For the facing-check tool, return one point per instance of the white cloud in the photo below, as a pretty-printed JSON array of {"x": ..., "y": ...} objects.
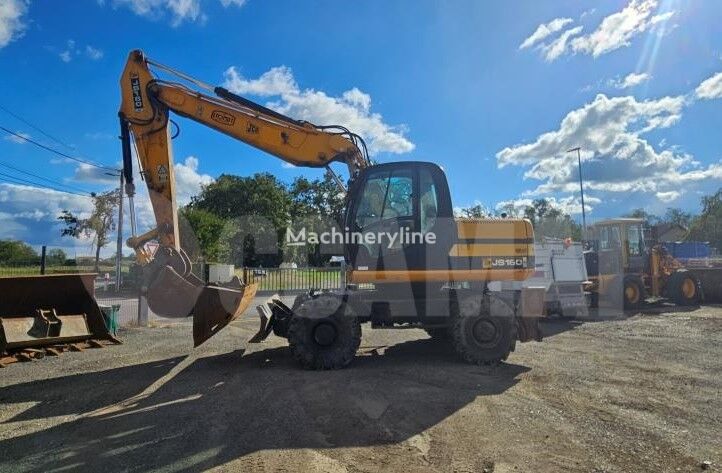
[
  {"x": 614, "y": 31},
  {"x": 93, "y": 174},
  {"x": 30, "y": 213},
  {"x": 557, "y": 47},
  {"x": 668, "y": 196},
  {"x": 12, "y": 26},
  {"x": 615, "y": 157},
  {"x": 570, "y": 205},
  {"x": 180, "y": 11},
  {"x": 188, "y": 180},
  {"x": 544, "y": 30},
  {"x": 351, "y": 109},
  {"x": 18, "y": 139},
  {"x": 710, "y": 88},
  {"x": 93, "y": 53},
  {"x": 631, "y": 80},
  {"x": 617, "y": 30},
  {"x": 65, "y": 56}
]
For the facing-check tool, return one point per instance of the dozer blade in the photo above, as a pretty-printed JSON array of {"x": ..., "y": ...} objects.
[
  {"x": 212, "y": 307},
  {"x": 36, "y": 311}
]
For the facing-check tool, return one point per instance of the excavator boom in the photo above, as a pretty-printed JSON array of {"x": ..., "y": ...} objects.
[{"x": 172, "y": 289}]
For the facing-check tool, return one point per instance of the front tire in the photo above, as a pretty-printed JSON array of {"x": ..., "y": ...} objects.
[
  {"x": 684, "y": 288},
  {"x": 324, "y": 333},
  {"x": 633, "y": 293},
  {"x": 483, "y": 331}
]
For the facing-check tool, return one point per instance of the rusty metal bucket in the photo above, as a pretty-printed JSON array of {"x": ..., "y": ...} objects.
[
  {"x": 212, "y": 307},
  {"x": 37, "y": 311}
]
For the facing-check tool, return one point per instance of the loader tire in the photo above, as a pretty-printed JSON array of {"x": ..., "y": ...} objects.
[
  {"x": 324, "y": 333},
  {"x": 484, "y": 330},
  {"x": 684, "y": 288},
  {"x": 633, "y": 293}
]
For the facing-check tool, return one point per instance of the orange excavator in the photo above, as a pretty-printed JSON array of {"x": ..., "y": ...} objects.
[{"x": 438, "y": 284}]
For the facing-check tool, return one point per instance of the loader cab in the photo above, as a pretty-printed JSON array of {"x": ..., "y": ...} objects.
[
  {"x": 618, "y": 246},
  {"x": 403, "y": 211}
]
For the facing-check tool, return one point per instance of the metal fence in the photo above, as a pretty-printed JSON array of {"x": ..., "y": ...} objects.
[{"x": 291, "y": 279}]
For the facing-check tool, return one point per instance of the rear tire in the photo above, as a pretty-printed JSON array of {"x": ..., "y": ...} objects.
[
  {"x": 684, "y": 288},
  {"x": 324, "y": 333},
  {"x": 633, "y": 293},
  {"x": 483, "y": 332}
]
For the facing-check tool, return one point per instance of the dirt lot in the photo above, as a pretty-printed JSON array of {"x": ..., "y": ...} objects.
[{"x": 635, "y": 394}]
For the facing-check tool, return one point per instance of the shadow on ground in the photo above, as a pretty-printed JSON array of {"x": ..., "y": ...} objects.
[{"x": 200, "y": 413}]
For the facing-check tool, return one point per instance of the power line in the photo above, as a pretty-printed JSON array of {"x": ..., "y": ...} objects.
[
  {"x": 36, "y": 128},
  {"x": 28, "y": 173},
  {"x": 47, "y": 148},
  {"x": 21, "y": 181}
]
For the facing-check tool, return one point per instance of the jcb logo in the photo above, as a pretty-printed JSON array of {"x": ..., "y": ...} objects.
[{"x": 223, "y": 118}]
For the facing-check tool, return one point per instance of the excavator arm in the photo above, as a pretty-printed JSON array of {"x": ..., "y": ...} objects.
[{"x": 172, "y": 289}]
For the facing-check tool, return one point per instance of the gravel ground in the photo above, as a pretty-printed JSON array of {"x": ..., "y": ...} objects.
[{"x": 634, "y": 394}]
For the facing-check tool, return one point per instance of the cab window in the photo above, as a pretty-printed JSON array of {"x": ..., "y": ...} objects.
[
  {"x": 428, "y": 201},
  {"x": 635, "y": 240},
  {"x": 385, "y": 196}
]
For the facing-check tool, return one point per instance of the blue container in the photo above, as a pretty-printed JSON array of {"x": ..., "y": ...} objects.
[{"x": 688, "y": 249}]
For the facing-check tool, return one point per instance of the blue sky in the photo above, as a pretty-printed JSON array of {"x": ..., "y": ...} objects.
[{"x": 494, "y": 92}]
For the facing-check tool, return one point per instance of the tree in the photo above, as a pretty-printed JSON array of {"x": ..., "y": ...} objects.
[
  {"x": 475, "y": 211},
  {"x": 676, "y": 216},
  {"x": 14, "y": 252},
  {"x": 256, "y": 205},
  {"x": 708, "y": 225},
  {"x": 550, "y": 221},
  {"x": 56, "y": 257},
  {"x": 200, "y": 233},
  {"x": 100, "y": 224},
  {"x": 649, "y": 219}
]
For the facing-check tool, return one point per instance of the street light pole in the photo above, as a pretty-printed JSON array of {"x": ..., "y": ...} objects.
[{"x": 581, "y": 188}]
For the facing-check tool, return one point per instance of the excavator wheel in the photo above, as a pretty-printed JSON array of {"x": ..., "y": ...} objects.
[
  {"x": 484, "y": 331},
  {"x": 684, "y": 288},
  {"x": 324, "y": 333}
]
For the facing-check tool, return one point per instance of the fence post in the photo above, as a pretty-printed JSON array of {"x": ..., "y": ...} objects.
[
  {"x": 42, "y": 259},
  {"x": 142, "y": 309}
]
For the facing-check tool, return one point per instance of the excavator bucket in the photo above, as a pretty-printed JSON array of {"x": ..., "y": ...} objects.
[
  {"x": 213, "y": 307},
  {"x": 41, "y": 311}
]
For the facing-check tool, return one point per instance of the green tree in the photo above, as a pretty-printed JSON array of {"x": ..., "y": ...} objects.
[
  {"x": 200, "y": 233},
  {"x": 100, "y": 224},
  {"x": 676, "y": 216},
  {"x": 56, "y": 257},
  {"x": 15, "y": 252},
  {"x": 550, "y": 221},
  {"x": 240, "y": 199},
  {"x": 708, "y": 225},
  {"x": 474, "y": 211}
]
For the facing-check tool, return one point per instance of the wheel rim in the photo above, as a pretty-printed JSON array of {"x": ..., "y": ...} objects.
[
  {"x": 689, "y": 288},
  {"x": 485, "y": 332},
  {"x": 631, "y": 292},
  {"x": 324, "y": 334}
]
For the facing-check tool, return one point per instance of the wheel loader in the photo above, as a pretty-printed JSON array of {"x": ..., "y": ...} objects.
[
  {"x": 626, "y": 267},
  {"x": 409, "y": 262}
]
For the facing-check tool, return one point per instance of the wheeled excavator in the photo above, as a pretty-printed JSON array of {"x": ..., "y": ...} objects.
[{"x": 439, "y": 284}]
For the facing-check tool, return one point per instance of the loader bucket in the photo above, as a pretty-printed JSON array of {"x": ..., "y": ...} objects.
[
  {"x": 38, "y": 311},
  {"x": 213, "y": 307}
]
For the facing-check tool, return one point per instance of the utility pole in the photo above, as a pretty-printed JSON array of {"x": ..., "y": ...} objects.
[{"x": 581, "y": 189}]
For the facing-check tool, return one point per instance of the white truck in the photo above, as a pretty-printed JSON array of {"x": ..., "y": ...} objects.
[{"x": 561, "y": 270}]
